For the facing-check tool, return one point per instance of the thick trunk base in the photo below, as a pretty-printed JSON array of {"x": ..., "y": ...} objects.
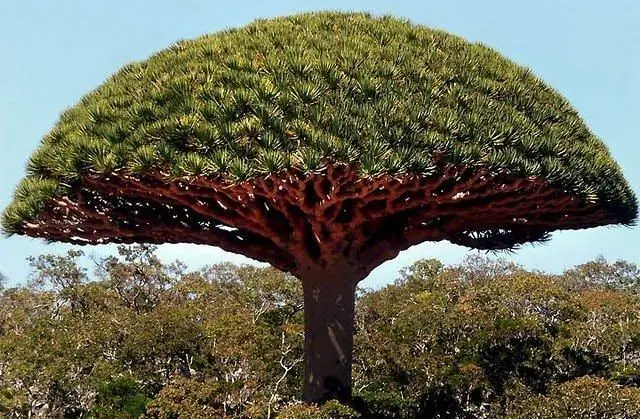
[{"x": 329, "y": 327}]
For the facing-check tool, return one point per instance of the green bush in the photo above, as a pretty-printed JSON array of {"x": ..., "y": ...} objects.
[
  {"x": 585, "y": 398},
  {"x": 190, "y": 398},
  {"x": 122, "y": 398},
  {"x": 330, "y": 410}
]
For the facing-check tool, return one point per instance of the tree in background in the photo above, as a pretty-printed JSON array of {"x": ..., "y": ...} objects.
[
  {"x": 214, "y": 341},
  {"x": 323, "y": 144},
  {"x": 488, "y": 339},
  {"x": 484, "y": 339}
]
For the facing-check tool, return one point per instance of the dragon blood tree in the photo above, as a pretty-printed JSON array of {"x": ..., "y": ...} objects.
[{"x": 323, "y": 144}]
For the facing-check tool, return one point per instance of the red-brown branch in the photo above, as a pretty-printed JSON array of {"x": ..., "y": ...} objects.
[{"x": 300, "y": 223}]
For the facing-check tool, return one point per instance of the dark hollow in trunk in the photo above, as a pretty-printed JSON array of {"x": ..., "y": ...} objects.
[{"x": 328, "y": 327}]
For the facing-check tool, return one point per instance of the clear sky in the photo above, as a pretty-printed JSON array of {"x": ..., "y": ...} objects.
[{"x": 53, "y": 52}]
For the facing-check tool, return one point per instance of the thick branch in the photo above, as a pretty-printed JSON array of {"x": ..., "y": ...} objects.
[{"x": 300, "y": 222}]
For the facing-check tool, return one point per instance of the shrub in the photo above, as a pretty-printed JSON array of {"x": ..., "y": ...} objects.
[
  {"x": 585, "y": 398},
  {"x": 330, "y": 410}
]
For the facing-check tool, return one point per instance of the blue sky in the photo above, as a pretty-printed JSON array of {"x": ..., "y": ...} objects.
[{"x": 53, "y": 52}]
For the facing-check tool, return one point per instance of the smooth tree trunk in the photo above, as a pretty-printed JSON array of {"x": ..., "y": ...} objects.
[{"x": 328, "y": 326}]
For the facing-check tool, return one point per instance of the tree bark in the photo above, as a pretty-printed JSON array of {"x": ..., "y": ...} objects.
[{"x": 328, "y": 327}]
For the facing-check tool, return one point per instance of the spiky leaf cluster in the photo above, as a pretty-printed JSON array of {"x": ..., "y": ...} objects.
[{"x": 316, "y": 89}]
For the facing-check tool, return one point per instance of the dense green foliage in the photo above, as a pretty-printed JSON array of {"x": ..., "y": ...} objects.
[
  {"x": 584, "y": 398},
  {"x": 310, "y": 89},
  {"x": 484, "y": 339}
]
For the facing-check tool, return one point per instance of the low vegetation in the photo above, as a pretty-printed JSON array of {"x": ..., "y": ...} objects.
[{"x": 129, "y": 336}]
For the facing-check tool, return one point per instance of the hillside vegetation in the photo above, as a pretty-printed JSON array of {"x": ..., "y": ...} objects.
[{"x": 131, "y": 337}]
